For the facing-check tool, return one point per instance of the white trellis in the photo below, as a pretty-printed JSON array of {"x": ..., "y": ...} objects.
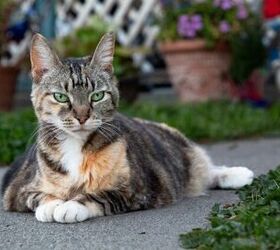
[
  {"x": 17, "y": 50},
  {"x": 132, "y": 19}
]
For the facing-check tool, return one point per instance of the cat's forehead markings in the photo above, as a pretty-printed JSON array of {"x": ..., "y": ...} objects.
[
  {"x": 78, "y": 75},
  {"x": 69, "y": 85},
  {"x": 74, "y": 75},
  {"x": 83, "y": 76},
  {"x": 90, "y": 84}
]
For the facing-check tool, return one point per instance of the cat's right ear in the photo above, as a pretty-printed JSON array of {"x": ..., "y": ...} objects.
[
  {"x": 43, "y": 58},
  {"x": 104, "y": 53}
]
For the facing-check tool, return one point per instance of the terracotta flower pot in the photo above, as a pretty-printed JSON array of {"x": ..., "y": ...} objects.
[
  {"x": 8, "y": 78},
  {"x": 197, "y": 73}
]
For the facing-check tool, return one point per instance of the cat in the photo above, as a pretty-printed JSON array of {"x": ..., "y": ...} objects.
[{"x": 89, "y": 160}]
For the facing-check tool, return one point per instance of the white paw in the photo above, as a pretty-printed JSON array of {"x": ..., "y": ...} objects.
[
  {"x": 70, "y": 212},
  {"x": 236, "y": 177},
  {"x": 44, "y": 212}
]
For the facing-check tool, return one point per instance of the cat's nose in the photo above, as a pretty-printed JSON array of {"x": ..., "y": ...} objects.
[
  {"x": 82, "y": 119},
  {"x": 81, "y": 114}
]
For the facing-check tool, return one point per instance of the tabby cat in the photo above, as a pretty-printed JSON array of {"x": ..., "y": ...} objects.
[{"x": 91, "y": 161}]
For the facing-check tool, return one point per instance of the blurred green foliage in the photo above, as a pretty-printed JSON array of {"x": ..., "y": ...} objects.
[
  {"x": 213, "y": 120},
  {"x": 251, "y": 224},
  {"x": 247, "y": 52},
  {"x": 203, "y": 122},
  {"x": 16, "y": 129}
]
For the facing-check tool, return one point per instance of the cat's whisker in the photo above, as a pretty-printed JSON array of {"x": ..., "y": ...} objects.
[
  {"x": 55, "y": 137},
  {"x": 43, "y": 138},
  {"x": 33, "y": 134},
  {"x": 111, "y": 131},
  {"x": 112, "y": 125},
  {"x": 36, "y": 132},
  {"x": 103, "y": 133},
  {"x": 45, "y": 131}
]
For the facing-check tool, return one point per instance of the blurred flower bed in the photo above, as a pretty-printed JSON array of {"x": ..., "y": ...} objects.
[
  {"x": 219, "y": 23},
  {"x": 212, "y": 121},
  {"x": 213, "y": 20}
]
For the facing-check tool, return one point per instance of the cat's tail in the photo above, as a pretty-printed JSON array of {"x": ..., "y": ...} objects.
[{"x": 204, "y": 174}]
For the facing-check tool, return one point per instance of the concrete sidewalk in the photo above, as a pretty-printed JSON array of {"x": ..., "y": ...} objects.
[{"x": 152, "y": 229}]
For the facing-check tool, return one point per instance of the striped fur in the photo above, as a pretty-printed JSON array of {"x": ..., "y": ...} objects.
[{"x": 106, "y": 165}]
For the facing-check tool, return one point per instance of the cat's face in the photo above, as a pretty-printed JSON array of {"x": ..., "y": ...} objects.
[{"x": 75, "y": 95}]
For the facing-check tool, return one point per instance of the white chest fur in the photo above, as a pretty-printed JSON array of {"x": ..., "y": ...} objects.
[{"x": 72, "y": 156}]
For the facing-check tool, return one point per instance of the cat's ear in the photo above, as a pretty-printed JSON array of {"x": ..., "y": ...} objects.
[
  {"x": 43, "y": 58},
  {"x": 104, "y": 53}
]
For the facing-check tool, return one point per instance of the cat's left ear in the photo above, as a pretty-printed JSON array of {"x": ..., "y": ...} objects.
[{"x": 104, "y": 53}]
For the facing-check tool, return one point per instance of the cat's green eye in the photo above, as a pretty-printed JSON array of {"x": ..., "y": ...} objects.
[
  {"x": 95, "y": 97},
  {"x": 60, "y": 97}
]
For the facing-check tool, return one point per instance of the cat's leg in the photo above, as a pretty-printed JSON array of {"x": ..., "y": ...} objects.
[
  {"x": 42, "y": 204},
  {"x": 87, "y": 206},
  {"x": 204, "y": 174},
  {"x": 48, "y": 208},
  {"x": 25, "y": 199}
]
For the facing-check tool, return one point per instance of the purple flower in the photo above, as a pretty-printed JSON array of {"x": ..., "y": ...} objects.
[
  {"x": 242, "y": 12},
  {"x": 190, "y": 33},
  {"x": 189, "y": 25},
  {"x": 196, "y": 21},
  {"x": 224, "y": 4},
  {"x": 224, "y": 26}
]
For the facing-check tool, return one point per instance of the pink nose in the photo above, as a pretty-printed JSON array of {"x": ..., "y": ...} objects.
[
  {"x": 82, "y": 119},
  {"x": 81, "y": 114}
]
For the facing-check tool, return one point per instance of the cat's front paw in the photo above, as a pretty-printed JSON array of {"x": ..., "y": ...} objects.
[
  {"x": 71, "y": 212},
  {"x": 44, "y": 212}
]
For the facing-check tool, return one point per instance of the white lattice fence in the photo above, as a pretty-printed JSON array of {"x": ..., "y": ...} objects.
[
  {"x": 16, "y": 50},
  {"x": 132, "y": 19}
]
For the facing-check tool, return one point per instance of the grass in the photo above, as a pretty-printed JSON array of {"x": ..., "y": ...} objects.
[
  {"x": 201, "y": 122},
  {"x": 252, "y": 224}
]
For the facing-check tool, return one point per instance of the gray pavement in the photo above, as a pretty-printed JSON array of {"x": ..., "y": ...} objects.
[{"x": 152, "y": 229}]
